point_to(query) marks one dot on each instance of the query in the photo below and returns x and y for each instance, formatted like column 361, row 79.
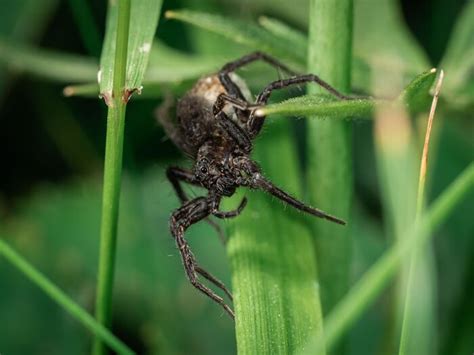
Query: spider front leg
column 175, row 175
column 192, row 212
column 255, row 123
column 233, row 130
column 229, row 214
column 226, row 80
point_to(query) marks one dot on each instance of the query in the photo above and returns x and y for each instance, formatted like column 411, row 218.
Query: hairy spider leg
column 192, row 212
column 234, row 131
column 260, row 182
column 175, row 175
column 215, row 281
column 231, row 214
column 255, row 123
column 229, row 84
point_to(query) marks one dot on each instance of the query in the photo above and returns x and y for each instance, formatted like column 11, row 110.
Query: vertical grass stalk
column 112, row 175
column 329, row 152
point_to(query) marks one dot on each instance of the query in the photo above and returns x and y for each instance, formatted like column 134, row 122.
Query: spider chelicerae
column 215, row 126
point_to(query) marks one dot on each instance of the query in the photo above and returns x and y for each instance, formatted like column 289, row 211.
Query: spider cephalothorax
column 215, row 127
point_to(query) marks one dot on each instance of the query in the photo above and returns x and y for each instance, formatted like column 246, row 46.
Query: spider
column 215, row 126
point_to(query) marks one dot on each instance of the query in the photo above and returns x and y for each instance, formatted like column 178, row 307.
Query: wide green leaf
column 272, row 258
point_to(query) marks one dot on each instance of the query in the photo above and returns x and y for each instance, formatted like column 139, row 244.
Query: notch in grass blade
column 143, row 22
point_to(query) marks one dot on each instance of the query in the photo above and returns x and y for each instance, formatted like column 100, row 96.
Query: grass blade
column 273, row 267
column 113, row 166
column 52, row 65
column 144, row 17
column 414, row 331
column 244, row 33
column 296, row 39
column 397, row 157
column 372, row 283
column 415, row 96
column 62, row 299
column 329, row 175
column 457, row 60
column 321, row 106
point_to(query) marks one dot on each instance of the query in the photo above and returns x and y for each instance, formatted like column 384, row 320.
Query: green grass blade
column 372, row 283
column 415, row 96
column 167, row 67
column 397, row 157
column 273, row 267
column 242, row 32
column 62, row 299
column 321, row 106
column 298, row 41
column 417, row 330
column 113, row 164
column 329, row 177
column 144, row 17
column 382, row 39
column 52, row 65
column 82, row 13
column 457, row 60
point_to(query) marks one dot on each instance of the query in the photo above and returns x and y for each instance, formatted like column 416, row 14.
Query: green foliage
column 274, row 268
column 63, row 300
column 276, row 294
column 143, row 22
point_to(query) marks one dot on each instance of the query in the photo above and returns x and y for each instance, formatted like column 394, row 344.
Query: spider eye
column 203, row 170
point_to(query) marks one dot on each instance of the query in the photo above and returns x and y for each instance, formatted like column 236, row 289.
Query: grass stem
column 329, row 153
column 112, row 175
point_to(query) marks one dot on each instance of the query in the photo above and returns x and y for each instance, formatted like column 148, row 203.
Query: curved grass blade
column 62, row 299
column 397, row 157
column 417, row 329
column 372, row 283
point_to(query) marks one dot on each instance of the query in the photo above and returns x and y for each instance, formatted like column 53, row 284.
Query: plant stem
column 62, row 299
column 329, row 153
column 112, row 175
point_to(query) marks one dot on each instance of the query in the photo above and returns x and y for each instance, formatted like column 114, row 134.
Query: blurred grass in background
column 50, row 183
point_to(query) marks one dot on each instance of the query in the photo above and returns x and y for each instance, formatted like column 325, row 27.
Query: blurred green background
column 51, row 150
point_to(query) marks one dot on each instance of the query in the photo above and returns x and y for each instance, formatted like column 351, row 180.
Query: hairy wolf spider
column 215, row 127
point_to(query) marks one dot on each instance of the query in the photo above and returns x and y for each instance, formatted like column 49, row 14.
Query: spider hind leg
column 192, row 212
